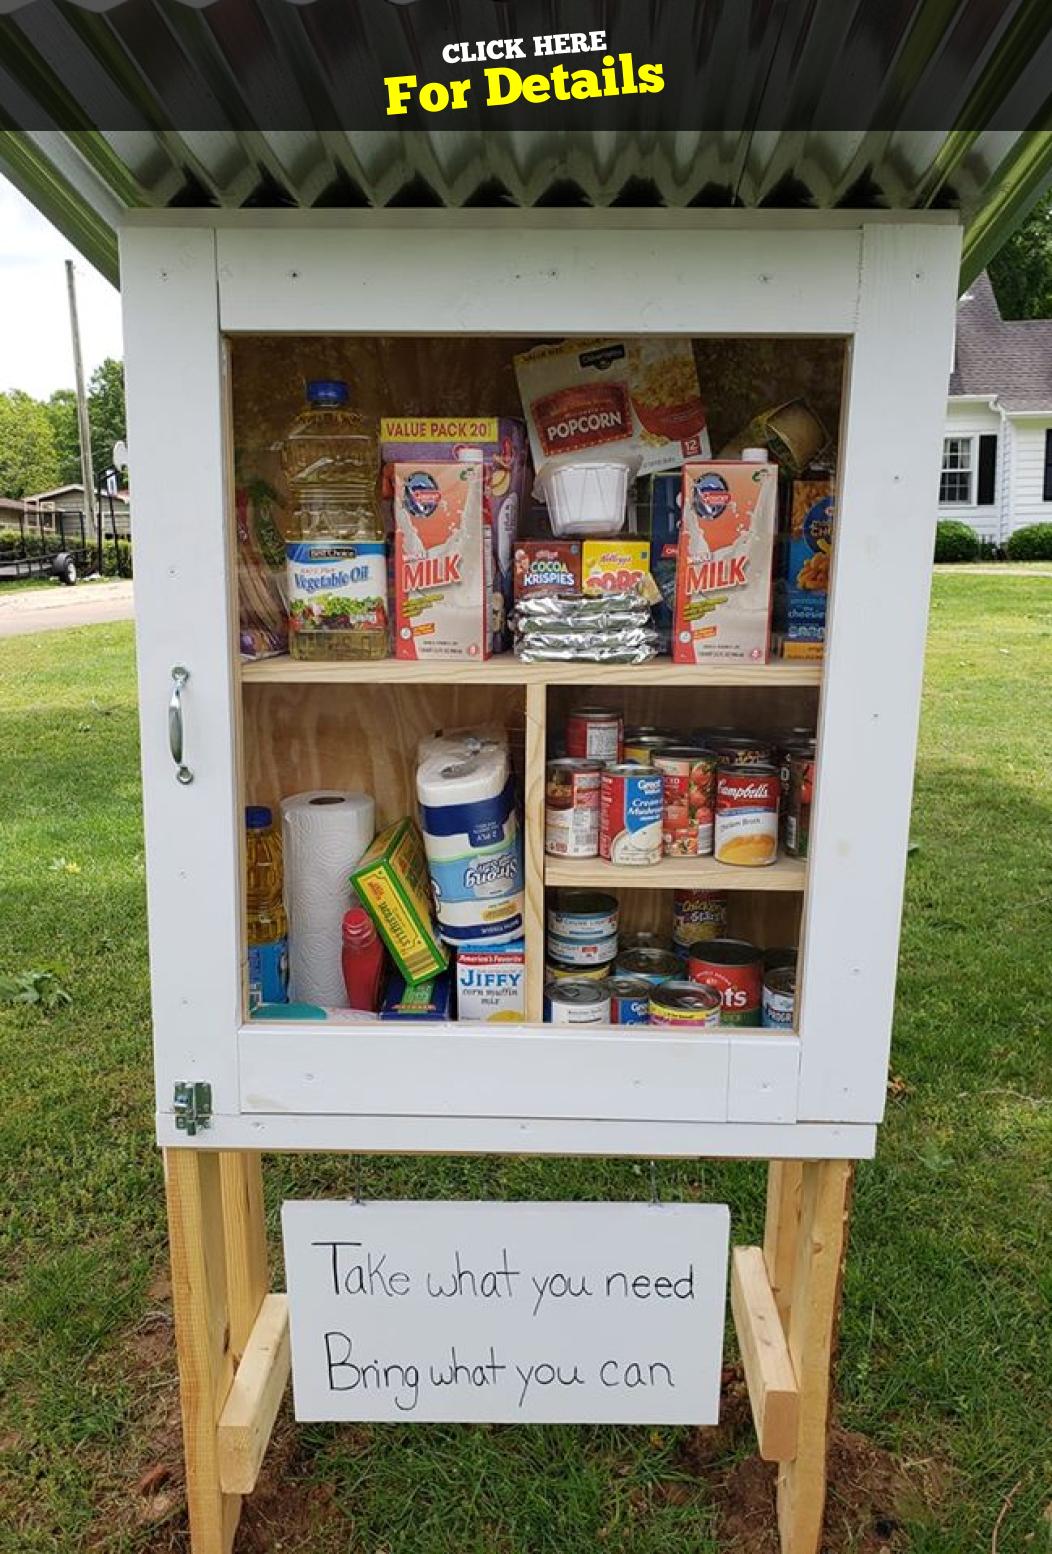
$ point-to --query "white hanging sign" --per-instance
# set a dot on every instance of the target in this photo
(503, 1312)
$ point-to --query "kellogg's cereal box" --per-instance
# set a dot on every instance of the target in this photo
(804, 554)
(442, 561)
(726, 548)
(637, 398)
(547, 567)
(616, 567)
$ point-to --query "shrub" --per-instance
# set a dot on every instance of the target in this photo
(955, 541)
(11, 544)
(1034, 543)
(116, 558)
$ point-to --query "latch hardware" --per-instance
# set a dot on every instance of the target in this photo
(192, 1104)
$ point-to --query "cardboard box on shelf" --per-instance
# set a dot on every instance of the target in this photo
(804, 555)
(443, 565)
(726, 546)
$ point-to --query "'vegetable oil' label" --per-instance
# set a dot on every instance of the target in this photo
(337, 585)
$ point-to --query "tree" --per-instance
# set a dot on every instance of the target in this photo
(106, 412)
(62, 413)
(1021, 274)
(28, 456)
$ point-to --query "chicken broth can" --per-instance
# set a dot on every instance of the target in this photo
(779, 998)
(734, 970)
(576, 1003)
(630, 811)
(651, 962)
(697, 915)
(629, 1000)
(688, 777)
(746, 831)
(571, 808)
(688, 1004)
(595, 734)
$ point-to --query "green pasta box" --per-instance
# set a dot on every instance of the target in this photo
(391, 881)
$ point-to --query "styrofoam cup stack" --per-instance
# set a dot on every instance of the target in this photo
(586, 496)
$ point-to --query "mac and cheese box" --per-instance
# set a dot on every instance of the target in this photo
(726, 551)
(804, 555)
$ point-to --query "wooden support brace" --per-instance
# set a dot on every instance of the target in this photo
(773, 1393)
(252, 1405)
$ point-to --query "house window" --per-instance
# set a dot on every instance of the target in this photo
(955, 482)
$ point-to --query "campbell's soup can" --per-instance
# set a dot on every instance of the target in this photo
(654, 963)
(734, 969)
(571, 808)
(689, 1004)
(779, 998)
(595, 734)
(698, 914)
(629, 1000)
(688, 776)
(555, 972)
(746, 830)
(798, 815)
(582, 914)
(641, 743)
(744, 750)
(630, 810)
(576, 1003)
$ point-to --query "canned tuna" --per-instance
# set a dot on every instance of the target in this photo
(556, 973)
(779, 998)
(629, 1000)
(630, 815)
(582, 952)
(651, 963)
(576, 1003)
(582, 914)
(686, 1004)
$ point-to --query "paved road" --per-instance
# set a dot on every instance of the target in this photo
(53, 609)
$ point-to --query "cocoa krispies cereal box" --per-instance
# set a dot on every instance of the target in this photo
(547, 567)
(726, 551)
(637, 399)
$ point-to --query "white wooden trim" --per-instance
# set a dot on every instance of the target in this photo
(608, 218)
(527, 1136)
(886, 510)
(176, 418)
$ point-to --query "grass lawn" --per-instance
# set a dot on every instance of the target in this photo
(944, 1377)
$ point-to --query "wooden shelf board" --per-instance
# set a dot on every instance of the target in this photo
(508, 670)
(676, 873)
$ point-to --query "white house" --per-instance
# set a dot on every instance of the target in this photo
(997, 452)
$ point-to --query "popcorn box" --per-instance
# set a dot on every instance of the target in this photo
(726, 551)
(442, 561)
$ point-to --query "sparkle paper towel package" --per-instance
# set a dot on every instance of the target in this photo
(472, 838)
(325, 833)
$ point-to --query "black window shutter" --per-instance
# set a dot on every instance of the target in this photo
(1046, 490)
(988, 470)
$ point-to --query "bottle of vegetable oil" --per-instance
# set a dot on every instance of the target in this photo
(268, 942)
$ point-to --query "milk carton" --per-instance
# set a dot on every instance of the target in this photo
(726, 548)
(443, 565)
(491, 981)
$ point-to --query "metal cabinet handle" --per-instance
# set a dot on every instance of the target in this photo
(180, 676)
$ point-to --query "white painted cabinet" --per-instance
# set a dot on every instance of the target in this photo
(202, 292)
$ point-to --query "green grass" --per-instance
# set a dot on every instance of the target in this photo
(944, 1359)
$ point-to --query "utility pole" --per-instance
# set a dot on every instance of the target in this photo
(87, 474)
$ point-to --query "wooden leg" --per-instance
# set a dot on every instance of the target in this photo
(781, 1228)
(218, 1257)
(814, 1303)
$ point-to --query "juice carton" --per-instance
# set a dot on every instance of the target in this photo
(726, 548)
(391, 881)
(804, 553)
(443, 564)
(547, 567)
(491, 981)
(505, 482)
(666, 515)
(431, 1000)
(616, 567)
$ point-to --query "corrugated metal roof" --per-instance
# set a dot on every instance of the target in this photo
(234, 66)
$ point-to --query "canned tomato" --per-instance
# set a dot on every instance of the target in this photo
(652, 963)
(582, 952)
(576, 1003)
(790, 748)
(780, 955)
(735, 970)
(595, 734)
(798, 815)
(779, 998)
(684, 1003)
(641, 743)
(553, 972)
(688, 776)
(629, 1000)
(582, 914)
(744, 750)
(746, 815)
(698, 914)
(571, 808)
(630, 815)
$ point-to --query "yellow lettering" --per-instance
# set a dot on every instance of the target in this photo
(651, 78)
(498, 97)
(536, 89)
(434, 97)
(399, 90)
(585, 83)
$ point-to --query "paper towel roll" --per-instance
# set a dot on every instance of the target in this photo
(325, 834)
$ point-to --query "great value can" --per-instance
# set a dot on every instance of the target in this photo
(629, 1000)
(779, 998)
(734, 969)
(641, 743)
(576, 1003)
(651, 962)
(582, 914)
(685, 1003)
(801, 792)
(746, 831)
(554, 972)
(630, 802)
(688, 776)
(698, 914)
(582, 952)
(595, 734)
(571, 808)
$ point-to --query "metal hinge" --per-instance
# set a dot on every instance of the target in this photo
(192, 1104)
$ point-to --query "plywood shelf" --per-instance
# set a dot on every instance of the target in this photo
(676, 873)
(508, 670)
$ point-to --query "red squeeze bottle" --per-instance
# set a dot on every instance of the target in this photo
(363, 960)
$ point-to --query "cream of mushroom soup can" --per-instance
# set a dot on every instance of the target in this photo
(630, 815)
